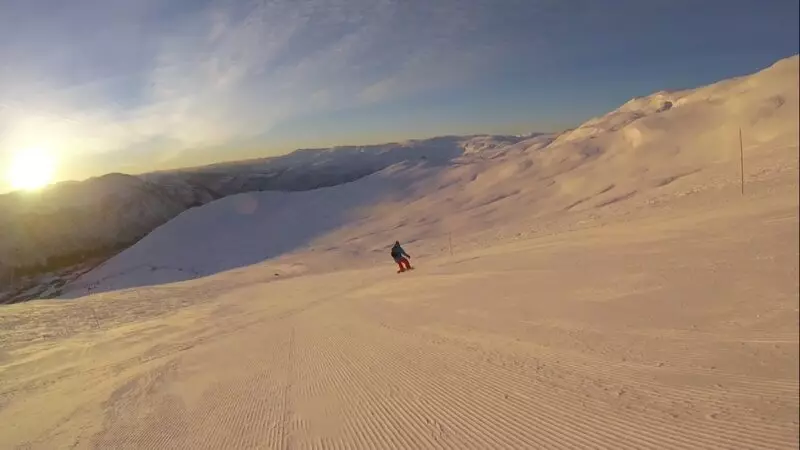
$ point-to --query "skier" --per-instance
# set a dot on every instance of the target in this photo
(401, 257)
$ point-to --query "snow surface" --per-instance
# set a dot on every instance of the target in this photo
(614, 290)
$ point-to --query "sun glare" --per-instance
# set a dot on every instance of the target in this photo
(31, 169)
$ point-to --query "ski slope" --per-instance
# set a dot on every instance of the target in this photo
(678, 331)
(607, 288)
(242, 230)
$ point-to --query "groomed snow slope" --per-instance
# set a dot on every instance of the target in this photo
(676, 330)
(646, 153)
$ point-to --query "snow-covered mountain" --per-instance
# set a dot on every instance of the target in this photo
(72, 226)
(651, 151)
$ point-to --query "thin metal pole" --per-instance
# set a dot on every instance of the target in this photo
(450, 240)
(741, 158)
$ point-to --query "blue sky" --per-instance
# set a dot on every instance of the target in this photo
(147, 84)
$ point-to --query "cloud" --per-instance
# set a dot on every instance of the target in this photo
(98, 76)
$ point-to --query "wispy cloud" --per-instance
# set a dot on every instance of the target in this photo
(99, 76)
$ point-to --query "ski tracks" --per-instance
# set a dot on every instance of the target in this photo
(343, 370)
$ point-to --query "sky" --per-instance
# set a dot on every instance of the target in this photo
(139, 85)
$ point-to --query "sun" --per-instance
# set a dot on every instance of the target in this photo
(31, 169)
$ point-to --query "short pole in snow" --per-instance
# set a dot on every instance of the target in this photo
(741, 158)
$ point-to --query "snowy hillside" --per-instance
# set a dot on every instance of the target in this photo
(71, 227)
(650, 152)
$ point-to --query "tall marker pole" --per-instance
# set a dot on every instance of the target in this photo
(450, 241)
(741, 158)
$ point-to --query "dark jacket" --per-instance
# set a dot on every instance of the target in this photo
(398, 252)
